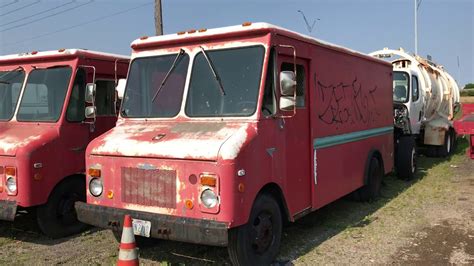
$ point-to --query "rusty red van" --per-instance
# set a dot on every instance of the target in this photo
(226, 133)
(44, 132)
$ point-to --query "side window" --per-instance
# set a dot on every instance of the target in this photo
(105, 97)
(300, 82)
(415, 93)
(269, 100)
(77, 104)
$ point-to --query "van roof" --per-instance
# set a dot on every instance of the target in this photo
(238, 30)
(33, 56)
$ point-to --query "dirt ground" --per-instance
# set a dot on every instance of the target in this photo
(429, 220)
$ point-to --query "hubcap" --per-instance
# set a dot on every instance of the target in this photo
(262, 233)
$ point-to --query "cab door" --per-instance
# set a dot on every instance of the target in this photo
(416, 104)
(296, 137)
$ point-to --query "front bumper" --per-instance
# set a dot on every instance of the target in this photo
(8, 210)
(182, 229)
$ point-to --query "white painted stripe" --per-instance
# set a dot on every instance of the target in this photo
(127, 235)
(129, 254)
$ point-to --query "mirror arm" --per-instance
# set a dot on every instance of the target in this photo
(93, 71)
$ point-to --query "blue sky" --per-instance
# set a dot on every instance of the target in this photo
(446, 27)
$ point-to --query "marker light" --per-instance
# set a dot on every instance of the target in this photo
(208, 179)
(94, 172)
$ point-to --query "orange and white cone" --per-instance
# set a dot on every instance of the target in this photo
(128, 253)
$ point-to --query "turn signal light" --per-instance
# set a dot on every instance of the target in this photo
(189, 204)
(207, 179)
(10, 170)
(245, 24)
(94, 172)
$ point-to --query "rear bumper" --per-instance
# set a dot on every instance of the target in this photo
(189, 230)
(8, 210)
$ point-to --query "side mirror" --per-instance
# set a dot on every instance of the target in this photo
(287, 90)
(287, 83)
(90, 112)
(121, 88)
(90, 92)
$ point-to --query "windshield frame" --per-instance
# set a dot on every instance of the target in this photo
(260, 82)
(25, 73)
(188, 53)
(192, 51)
(408, 86)
(66, 95)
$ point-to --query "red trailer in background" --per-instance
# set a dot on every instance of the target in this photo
(224, 133)
(465, 126)
(44, 131)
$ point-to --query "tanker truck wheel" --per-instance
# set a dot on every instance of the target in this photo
(258, 241)
(406, 158)
(57, 218)
(447, 148)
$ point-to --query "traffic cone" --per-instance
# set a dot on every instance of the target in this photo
(128, 253)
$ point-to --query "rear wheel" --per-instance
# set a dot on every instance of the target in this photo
(446, 149)
(57, 218)
(374, 182)
(406, 158)
(258, 241)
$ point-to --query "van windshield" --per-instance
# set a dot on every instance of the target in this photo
(239, 71)
(44, 94)
(400, 86)
(10, 87)
(145, 96)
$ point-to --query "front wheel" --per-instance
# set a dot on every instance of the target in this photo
(406, 158)
(57, 218)
(258, 241)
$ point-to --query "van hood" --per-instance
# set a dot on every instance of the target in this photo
(14, 137)
(183, 140)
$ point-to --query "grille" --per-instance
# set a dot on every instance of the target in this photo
(149, 187)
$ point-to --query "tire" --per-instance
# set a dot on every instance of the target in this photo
(57, 218)
(258, 241)
(406, 158)
(447, 148)
(372, 189)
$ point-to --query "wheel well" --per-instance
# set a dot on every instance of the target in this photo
(275, 191)
(67, 178)
(372, 154)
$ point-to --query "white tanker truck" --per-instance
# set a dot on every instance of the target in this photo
(425, 100)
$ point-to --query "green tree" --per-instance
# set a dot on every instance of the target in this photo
(469, 86)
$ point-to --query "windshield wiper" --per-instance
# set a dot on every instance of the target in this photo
(181, 52)
(9, 72)
(209, 62)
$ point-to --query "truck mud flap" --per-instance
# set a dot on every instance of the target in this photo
(7, 210)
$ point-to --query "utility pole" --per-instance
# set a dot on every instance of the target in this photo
(417, 5)
(158, 18)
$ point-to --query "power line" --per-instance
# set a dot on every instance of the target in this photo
(20, 8)
(9, 4)
(79, 25)
(45, 17)
(39, 13)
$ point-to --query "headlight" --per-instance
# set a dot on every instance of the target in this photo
(209, 198)
(11, 184)
(95, 187)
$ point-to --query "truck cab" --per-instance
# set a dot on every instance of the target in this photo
(44, 131)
